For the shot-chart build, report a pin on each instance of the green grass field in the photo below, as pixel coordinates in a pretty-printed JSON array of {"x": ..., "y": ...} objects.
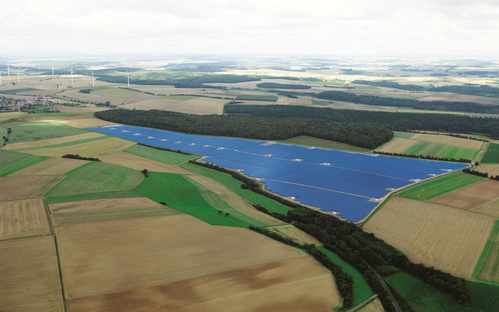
[
  {"x": 89, "y": 196},
  {"x": 492, "y": 154},
  {"x": 166, "y": 157},
  {"x": 65, "y": 144},
  {"x": 425, "y": 298},
  {"x": 14, "y": 91},
  {"x": 114, "y": 92},
  {"x": 235, "y": 185},
  {"x": 181, "y": 195},
  {"x": 11, "y": 162},
  {"x": 488, "y": 263},
  {"x": 251, "y": 97},
  {"x": 435, "y": 187},
  {"x": 458, "y": 153},
  {"x": 98, "y": 177},
  {"x": 361, "y": 290},
  {"x": 425, "y": 149},
  {"x": 34, "y": 131},
  {"x": 403, "y": 135}
]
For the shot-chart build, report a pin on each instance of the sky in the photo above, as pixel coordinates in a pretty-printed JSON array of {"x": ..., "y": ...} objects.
[{"x": 55, "y": 28}]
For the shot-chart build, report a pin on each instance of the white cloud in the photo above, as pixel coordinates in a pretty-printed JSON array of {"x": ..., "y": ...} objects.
[{"x": 333, "y": 27}]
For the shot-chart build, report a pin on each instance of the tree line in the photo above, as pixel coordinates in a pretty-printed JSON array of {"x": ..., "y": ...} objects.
[
  {"x": 482, "y": 90},
  {"x": 363, "y": 134},
  {"x": 395, "y": 121}
]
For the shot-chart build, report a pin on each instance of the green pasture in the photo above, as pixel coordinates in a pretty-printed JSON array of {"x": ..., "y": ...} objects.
[
  {"x": 361, "y": 290},
  {"x": 439, "y": 186},
  {"x": 320, "y": 102},
  {"x": 403, "y": 135},
  {"x": 181, "y": 195},
  {"x": 458, "y": 153},
  {"x": 11, "y": 162},
  {"x": 35, "y": 131},
  {"x": 65, "y": 144},
  {"x": 487, "y": 264},
  {"x": 235, "y": 185},
  {"x": 12, "y": 117},
  {"x": 98, "y": 177},
  {"x": 254, "y": 97},
  {"x": 425, "y": 298},
  {"x": 425, "y": 149},
  {"x": 166, "y": 157},
  {"x": 14, "y": 91},
  {"x": 492, "y": 154},
  {"x": 114, "y": 92}
]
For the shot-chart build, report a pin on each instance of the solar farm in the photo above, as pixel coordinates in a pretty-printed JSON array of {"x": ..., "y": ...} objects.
[{"x": 346, "y": 184}]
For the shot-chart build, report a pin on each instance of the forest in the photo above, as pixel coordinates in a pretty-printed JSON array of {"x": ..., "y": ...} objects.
[
  {"x": 362, "y": 134},
  {"x": 395, "y": 121},
  {"x": 482, "y": 90},
  {"x": 469, "y": 107}
]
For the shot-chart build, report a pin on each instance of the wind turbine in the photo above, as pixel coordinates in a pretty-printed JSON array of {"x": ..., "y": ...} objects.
[
  {"x": 71, "y": 75},
  {"x": 1, "y": 83},
  {"x": 18, "y": 75},
  {"x": 128, "y": 78},
  {"x": 8, "y": 70},
  {"x": 52, "y": 70},
  {"x": 93, "y": 79}
]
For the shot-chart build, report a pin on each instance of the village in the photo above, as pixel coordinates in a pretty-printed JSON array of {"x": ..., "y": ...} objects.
[{"x": 26, "y": 105}]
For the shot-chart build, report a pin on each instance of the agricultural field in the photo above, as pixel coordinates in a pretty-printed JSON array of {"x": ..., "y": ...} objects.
[
  {"x": 311, "y": 141},
  {"x": 492, "y": 154},
  {"x": 49, "y": 142},
  {"x": 189, "y": 105},
  {"x": 488, "y": 268},
  {"x": 396, "y": 145},
  {"x": 448, "y": 239},
  {"x": 439, "y": 186},
  {"x": 30, "y": 276},
  {"x": 34, "y": 131},
  {"x": 471, "y": 196},
  {"x": 92, "y": 148},
  {"x": 490, "y": 208},
  {"x": 221, "y": 272},
  {"x": 12, "y": 161},
  {"x": 166, "y": 157},
  {"x": 294, "y": 233},
  {"x": 492, "y": 170},
  {"x": 21, "y": 187},
  {"x": 51, "y": 166},
  {"x": 23, "y": 218},
  {"x": 374, "y": 306},
  {"x": 135, "y": 162},
  {"x": 98, "y": 177}
]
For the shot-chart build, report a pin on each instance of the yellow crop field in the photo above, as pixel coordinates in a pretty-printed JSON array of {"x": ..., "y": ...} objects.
[
  {"x": 396, "y": 145},
  {"x": 490, "y": 208},
  {"x": 51, "y": 166},
  {"x": 448, "y": 239},
  {"x": 86, "y": 122},
  {"x": 470, "y": 196},
  {"x": 296, "y": 234},
  {"x": 138, "y": 163},
  {"x": 448, "y": 140},
  {"x": 20, "y": 187},
  {"x": 94, "y": 148},
  {"x": 30, "y": 276},
  {"x": 374, "y": 306},
  {"x": 23, "y": 218},
  {"x": 106, "y": 209},
  {"x": 234, "y": 200},
  {"x": 41, "y": 143},
  {"x": 492, "y": 170},
  {"x": 180, "y": 263},
  {"x": 198, "y": 105}
]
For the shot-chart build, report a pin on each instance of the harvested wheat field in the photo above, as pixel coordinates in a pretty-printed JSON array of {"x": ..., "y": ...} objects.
[
  {"x": 42, "y": 143},
  {"x": 184, "y": 264},
  {"x": 374, "y": 306},
  {"x": 234, "y": 200},
  {"x": 85, "y": 122},
  {"x": 490, "y": 208},
  {"x": 470, "y": 196},
  {"x": 396, "y": 145},
  {"x": 492, "y": 170},
  {"x": 449, "y": 140},
  {"x": 94, "y": 148},
  {"x": 489, "y": 267},
  {"x": 30, "y": 276},
  {"x": 23, "y": 218},
  {"x": 51, "y": 166},
  {"x": 295, "y": 234},
  {"x": 106, "y": 209},
  {"x": 446, "y": 238},
  {"x": 138, "y": 163},
  {"x": 22, "y": 187}
]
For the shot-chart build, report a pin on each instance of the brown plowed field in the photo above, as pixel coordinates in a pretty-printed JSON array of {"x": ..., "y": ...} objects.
[
  {"x": 449, "y": 140},
  {"x": 27, "y": 186},
  {"x": 470, "y": 196},
  {"x": 106, "y": 209},
  {"x": 52, "y": 166},
  {"x": 22, "y": 218},
  {"x": 130, "y": 264},
  {"x": 266, "y": 287},
  {"x": 94, "y": 148},
  {"x": 43, "y": 143},
  {"x": 234, "y": 200},
  {"x": 30, "y": 277},
  {"x": 446, "y": 238},
  {"x": 396, "y": 145},
  {"x": 138, "y": 163}
]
